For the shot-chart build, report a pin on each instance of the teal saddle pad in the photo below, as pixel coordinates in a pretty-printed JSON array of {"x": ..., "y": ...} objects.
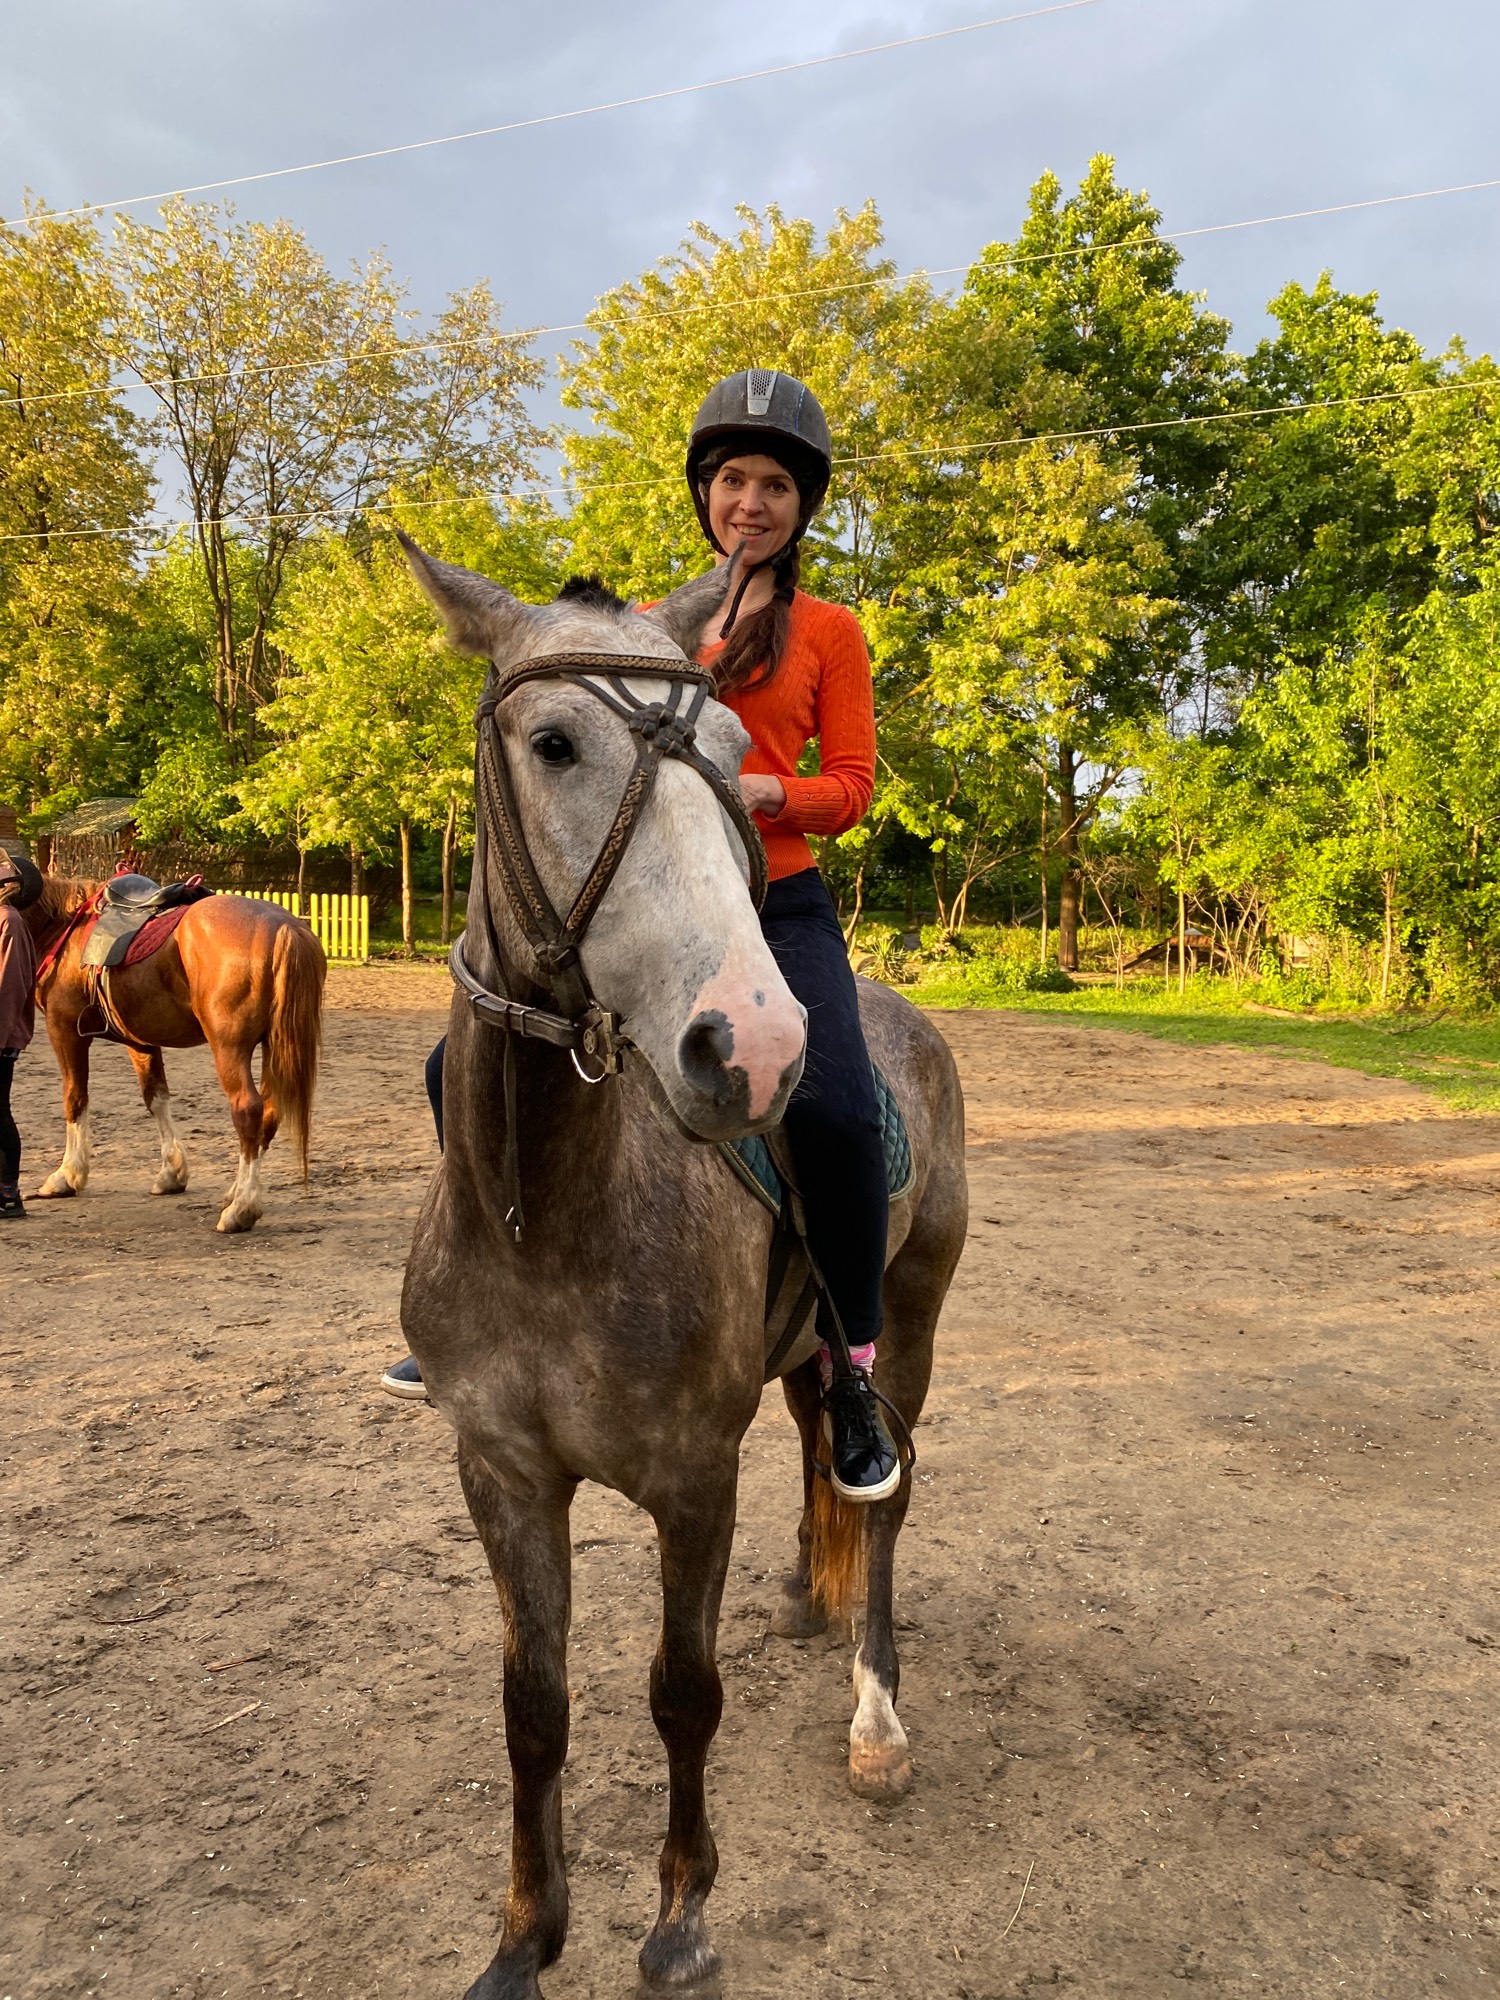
[{"x": 751, "y": 1159}]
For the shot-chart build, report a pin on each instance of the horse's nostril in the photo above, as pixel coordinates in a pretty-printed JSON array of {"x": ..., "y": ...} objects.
[{"x": 705, "y": 1051}]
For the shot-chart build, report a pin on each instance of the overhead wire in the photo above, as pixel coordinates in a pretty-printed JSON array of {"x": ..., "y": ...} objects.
[
  {"x": 594, "y": 324},
  {"x": 582, "y": 111},
  {"x": 952, "y": 449}
]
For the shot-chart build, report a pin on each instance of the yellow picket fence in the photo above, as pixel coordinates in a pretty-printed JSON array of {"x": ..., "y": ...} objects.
[{"x": 341, "y": 924}]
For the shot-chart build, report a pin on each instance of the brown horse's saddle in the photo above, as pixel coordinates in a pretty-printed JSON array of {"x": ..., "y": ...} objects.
[{"x": 130, "y": 903}]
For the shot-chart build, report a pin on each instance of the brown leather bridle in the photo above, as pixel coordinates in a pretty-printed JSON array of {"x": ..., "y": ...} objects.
[{"x": 661, "y": 729}]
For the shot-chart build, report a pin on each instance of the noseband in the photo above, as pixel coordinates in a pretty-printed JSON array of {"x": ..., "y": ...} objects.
[{"x": 661, "y": 729}]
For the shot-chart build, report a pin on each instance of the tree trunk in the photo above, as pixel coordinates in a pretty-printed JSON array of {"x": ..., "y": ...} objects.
[
  {"x": 301, "y": 874},
  {"x": 450, "y": 844},
  {"x": 406, "y": 929},
  {"x": 1182, "y": 940},
  {"x": 356, "y": 871},
  {"x": 1070, "y": 889},
  {"x": 1043, "y": 960},
  {"x": 1388, "y": 880},
  {"x": 859, "y": 903}
]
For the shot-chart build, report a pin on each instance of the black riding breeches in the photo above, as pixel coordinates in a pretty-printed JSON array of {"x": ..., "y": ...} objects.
[
  {"x": 10, "y": 1138},
  {"x": 832, "y": 1121},
  {"x": 433, "y": 1076}
]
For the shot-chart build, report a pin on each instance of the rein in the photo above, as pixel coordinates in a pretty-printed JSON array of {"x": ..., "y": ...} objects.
[{"x": 579, "y": 1023}]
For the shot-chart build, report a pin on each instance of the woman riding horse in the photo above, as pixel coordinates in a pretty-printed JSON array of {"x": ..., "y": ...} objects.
[{"x": 795, "y": 670}]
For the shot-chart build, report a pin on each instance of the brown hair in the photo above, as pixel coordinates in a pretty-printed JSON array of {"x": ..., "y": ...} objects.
[{"x": 752, "y": 652}]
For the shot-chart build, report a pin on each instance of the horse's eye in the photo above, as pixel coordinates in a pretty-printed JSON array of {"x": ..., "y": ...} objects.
[{"x": 552, "y": 746}]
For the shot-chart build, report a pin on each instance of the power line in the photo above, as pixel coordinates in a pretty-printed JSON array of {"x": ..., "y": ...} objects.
[
  {"x": 528, "y": 334},
  {"x": 948, "y": 450},
  {"x": 583, "y": 111}
]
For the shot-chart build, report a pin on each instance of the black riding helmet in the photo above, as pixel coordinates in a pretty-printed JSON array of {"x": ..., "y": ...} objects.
[
  {"x": 26, "y": 879},
  {"x": 761, "y": 410}
]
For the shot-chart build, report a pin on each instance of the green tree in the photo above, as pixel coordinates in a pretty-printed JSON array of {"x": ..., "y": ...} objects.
[
  {"x": 290, "y": 400},
  {"x": 371, "y": 729},
  {"x": 73, "y": 491}
]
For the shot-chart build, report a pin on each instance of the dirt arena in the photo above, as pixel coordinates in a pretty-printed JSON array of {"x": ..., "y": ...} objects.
[{"x": 1197, "y": 1599}]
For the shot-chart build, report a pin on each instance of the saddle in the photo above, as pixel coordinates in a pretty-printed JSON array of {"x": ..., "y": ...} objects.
[
  {"x": 130, "y": 904},
  {"x": 763, "y": 1165},
  {"x": 136, "y": 917}
]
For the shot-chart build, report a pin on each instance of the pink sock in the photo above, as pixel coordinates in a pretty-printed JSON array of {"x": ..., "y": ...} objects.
[{"x": 862, "y": 1357}]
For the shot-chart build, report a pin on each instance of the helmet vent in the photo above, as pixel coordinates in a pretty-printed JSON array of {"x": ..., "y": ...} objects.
[{"x": 760, "y": 384}]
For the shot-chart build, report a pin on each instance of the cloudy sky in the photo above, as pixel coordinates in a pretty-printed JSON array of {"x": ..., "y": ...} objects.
[{"x": 1223, "y": 109}]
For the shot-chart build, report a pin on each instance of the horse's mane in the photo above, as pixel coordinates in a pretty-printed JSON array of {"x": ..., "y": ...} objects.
[{"x": 61, "y": 896}]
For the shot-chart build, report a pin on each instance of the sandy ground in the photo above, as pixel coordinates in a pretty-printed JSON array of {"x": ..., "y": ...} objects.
[{"x": 1197, "y": 1598}]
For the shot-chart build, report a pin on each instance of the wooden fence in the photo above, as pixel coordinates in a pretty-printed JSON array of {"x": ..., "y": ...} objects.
[{"x": 341, "y": 924}]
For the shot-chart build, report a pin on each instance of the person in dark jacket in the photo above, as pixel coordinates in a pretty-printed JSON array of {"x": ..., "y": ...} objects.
[{"x": 20, "y": 885}]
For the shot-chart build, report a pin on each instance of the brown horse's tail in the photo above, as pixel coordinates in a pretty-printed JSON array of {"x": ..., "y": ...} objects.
[
  {"x": 298, "y": 968},
  {"x": 839, "y": 1575}
]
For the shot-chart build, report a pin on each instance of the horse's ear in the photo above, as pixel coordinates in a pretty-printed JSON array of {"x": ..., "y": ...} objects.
[
  {"x": 683, "y": 615},
  {"x": 481, "y": 617}
]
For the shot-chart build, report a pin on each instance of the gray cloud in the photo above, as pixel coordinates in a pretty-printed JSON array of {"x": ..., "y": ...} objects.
[{"x": 1222, "y": 108}]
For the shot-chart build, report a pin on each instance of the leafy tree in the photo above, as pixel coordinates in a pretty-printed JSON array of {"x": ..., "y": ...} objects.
[
  {"x": 288, "y": 399},
  {"x": 1090, "y": 288},
  {"x": 70, "y": 467}
]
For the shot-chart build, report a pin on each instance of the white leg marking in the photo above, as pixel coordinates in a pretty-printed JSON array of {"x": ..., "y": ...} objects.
[
  {"x": 243, "y": 1207},
  {"x": 173, "y": 1177},
  {"x": 72, "y": 1177},
  {"x": 879, "y": 1763}
]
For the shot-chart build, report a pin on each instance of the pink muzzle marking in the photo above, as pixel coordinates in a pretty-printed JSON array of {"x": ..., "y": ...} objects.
[{"x": 766, "y": 1022}]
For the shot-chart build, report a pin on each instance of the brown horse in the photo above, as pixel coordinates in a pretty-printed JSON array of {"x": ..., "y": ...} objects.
[
  {"x": 585, "y": 1292},
  {"x": 236, "y": 973}
]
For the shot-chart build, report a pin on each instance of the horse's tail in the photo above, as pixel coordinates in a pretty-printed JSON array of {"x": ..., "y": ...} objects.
[
  {"x": 839, "y": 1574},
  {"x": 298, "y": 968}
]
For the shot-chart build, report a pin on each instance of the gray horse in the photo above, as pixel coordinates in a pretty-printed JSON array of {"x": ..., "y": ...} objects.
[{"x": 622, "y": 1338}]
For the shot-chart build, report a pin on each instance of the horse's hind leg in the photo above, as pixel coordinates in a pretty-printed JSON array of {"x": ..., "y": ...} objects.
[
  {"x": 242, "y": 1204},
  {"x": 687, "y": 1699},
  {"x": 530, "y": 1560},
  {"x": 72, "y": 1053},
  {"x": 915, "y": 1286},
  {"x": 152, "y": 1077},
  {"x": 797, "y": 1614}
]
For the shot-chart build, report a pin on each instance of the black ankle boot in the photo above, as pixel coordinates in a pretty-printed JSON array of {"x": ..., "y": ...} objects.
[{"x": 866, "y": 1465}]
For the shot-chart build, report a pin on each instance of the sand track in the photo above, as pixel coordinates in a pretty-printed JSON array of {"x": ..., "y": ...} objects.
[{"x": 1198, "y": 1598}]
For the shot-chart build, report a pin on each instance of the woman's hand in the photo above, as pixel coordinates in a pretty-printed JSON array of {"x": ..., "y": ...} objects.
[{"x": 762, "y": 794}]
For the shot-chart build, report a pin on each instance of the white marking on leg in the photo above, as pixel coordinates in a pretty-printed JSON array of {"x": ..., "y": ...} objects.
[
  {"x": 242, "y": 1208},
  {"x": 876, "y": 1723},
  {"x": 72, "y": 1177},
  {"x": 879, "y": 1763},
  {"x": 174, "y": 1171}
]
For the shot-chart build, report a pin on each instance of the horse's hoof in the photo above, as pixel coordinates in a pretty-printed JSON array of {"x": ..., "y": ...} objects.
[
  {"x": 797, "y": 1616},
  {"x": 234, "y": 1221},
  {"x": 677, "y": 1967},
  {"x": 880, "y": 1770},
  {"x": 56, "y": 1187},
  {"x": 168, "y": 1184}
]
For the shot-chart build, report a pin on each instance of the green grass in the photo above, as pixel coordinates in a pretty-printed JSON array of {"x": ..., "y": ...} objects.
[{"x": 1455, "y": 1055}]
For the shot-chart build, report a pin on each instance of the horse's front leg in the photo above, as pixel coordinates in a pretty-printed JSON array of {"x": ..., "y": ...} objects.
[
  {"x": 531, "y": 1561},
  {"x": 695, "y": 1531},
  {"x": 151, "y": 1075},
  {"x": 72, "y": 1053}
]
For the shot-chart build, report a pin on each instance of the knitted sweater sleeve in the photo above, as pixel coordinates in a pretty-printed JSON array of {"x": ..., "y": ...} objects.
[{"x": 839, "y": 796}]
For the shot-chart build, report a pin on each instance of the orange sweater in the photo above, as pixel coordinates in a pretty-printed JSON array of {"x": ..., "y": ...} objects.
[{"x": 822, "y": 690}]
